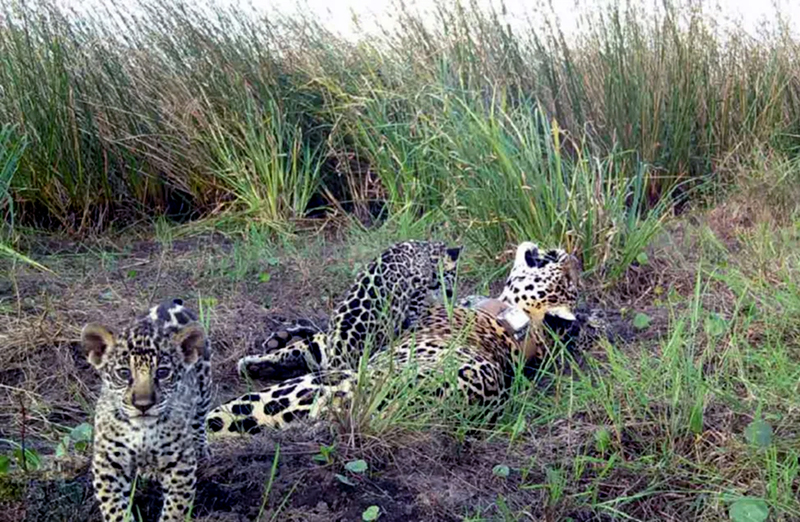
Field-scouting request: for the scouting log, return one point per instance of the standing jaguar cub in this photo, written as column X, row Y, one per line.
column 150, row 416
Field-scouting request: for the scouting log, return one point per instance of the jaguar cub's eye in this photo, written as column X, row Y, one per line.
column 163, row 373
column 124, row 373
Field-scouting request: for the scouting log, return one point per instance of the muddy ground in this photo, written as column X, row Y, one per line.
column 46, row 387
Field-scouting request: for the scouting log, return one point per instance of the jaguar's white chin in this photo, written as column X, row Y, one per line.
column 563, row 312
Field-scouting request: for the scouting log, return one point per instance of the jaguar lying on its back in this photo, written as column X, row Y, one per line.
column 387, row 298
column 481, row 345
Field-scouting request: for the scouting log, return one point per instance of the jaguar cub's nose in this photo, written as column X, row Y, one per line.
column 143, row 402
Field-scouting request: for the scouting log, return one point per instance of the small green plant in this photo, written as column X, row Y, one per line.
column 79, row 438
column 556, row 483
column 749, row 510
column 25, row 459
column 344, row 480
column 641, row 321
column 696, row 416
column 249, row 255
column 602, row 440
column 371, row 513
column 715, row 325
column 164, row 232
column 356, row 466
column 759, row 433
column 501, row 470
column 325, row 454
column 206, row 310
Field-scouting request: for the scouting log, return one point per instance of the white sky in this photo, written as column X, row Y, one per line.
column 337, row 14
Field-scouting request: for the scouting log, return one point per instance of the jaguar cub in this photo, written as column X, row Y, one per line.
column 388, row 298
column 150, row 416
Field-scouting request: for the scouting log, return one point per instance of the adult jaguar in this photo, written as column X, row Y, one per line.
column 479, row 344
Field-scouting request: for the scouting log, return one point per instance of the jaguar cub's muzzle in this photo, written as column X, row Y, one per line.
column 143, row 396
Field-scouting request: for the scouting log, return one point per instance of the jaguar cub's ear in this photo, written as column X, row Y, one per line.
column 192, row 340
column 96, row 340
column 454, row 252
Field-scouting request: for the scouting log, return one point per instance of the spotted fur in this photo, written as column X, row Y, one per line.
column 387, row 298
column 150, row 416
column 483, row 352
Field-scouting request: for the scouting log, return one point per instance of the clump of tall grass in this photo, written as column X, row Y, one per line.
column 520, row 178
column 188, row 108
column 12, row 147
column 507, row 174
column 132, row 112
column 271, row 173
column 669, row 86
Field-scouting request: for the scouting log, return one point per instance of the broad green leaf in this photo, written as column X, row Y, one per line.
column 602, row 440
column 356, row 466
column 759, row 433
column 62, row 447
column 344, row 480
column 715, row 325
column 749, row 510
column 81, row 432
column 696, row 418
column 5, row 464
column 642, row 258
column 641, row 321
column 501, row 470
column 371, row 513
column 208, row 302
column 519, row 426
column 30, row 461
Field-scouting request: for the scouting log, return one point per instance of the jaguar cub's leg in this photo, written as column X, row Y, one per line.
column 305, row 354
column 112, row 478
column 418, row 304
column 178, row 480
column 278, row 406
column 203, row 403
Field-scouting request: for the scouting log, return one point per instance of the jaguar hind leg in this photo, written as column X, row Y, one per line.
column 290, row 352
column 281, row 405
column 290, row 334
